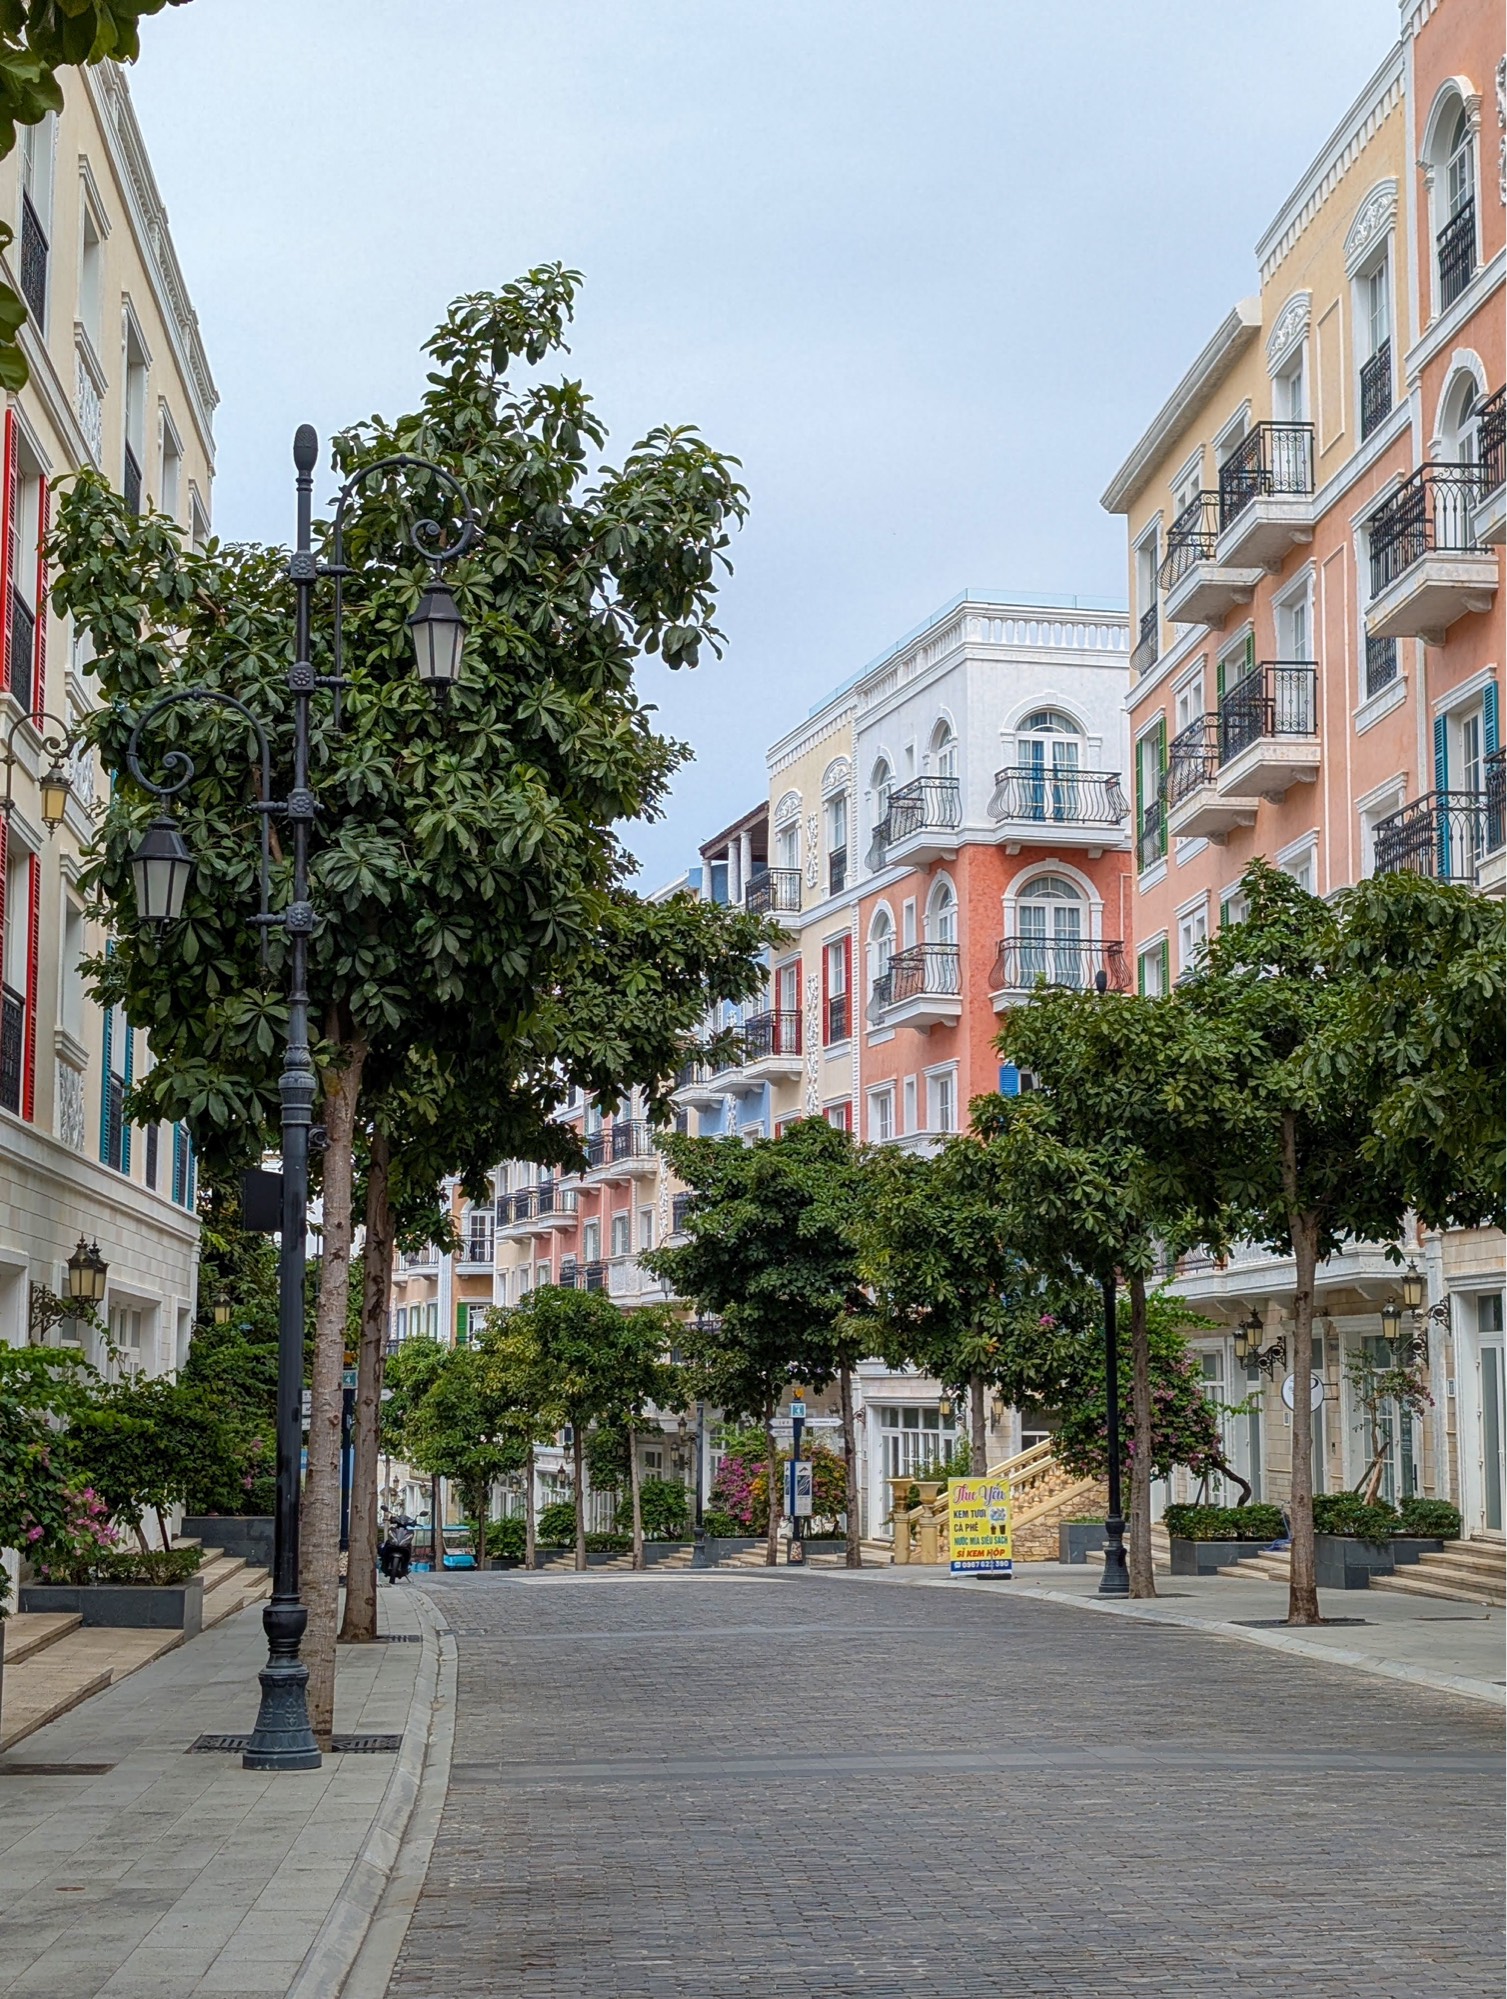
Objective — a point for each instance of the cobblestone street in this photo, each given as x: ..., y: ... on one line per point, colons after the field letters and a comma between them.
x: 695, y: 1786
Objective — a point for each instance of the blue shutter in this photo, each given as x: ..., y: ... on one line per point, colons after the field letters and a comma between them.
x: 1489, y: 725
x: 104, y: 1085
x: 125, y: 1129
x: 1441, y: 786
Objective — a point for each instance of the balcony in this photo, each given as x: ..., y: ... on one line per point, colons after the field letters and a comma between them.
x: 12, y: 1048
x: 1455, y: 248
x: 1148, y: 642
x: 1196, y: 588
x: 1024, y: 963
x: 1376, y: 389
x: 1036, y: 806
x: 1491, y: 872
x: 631, y: 1284
x: 555, y: 1207
x: 1266, y: 495
x: 626, y: 1152
x: 1428, y: 567
x: 1443, y: 835
x: 1489, y: 522
x: 1196, y: 808
x: 921, y: 987
x: 772, y: 1045
x: 1269, y: 730
x: 515, y: 1213
x: 774, y: 892
x: 696, y: 1086
x: 33, y: 271
x: 920, y: 825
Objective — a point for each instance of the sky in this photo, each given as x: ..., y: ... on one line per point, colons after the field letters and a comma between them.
x: 926, y: 267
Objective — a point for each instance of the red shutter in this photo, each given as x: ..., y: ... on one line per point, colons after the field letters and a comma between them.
x: 7, y: 542
x: 33, y: 955
x: 39, y: 668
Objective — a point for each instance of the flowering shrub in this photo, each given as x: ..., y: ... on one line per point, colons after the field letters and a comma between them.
x: 158, y: 1567
x: 741, y: 1489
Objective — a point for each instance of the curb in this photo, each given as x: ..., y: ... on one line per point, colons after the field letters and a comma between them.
x: 330, y: 1959
x: 1282, y: 1641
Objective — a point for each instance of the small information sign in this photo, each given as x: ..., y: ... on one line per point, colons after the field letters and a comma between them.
x: 799, y: 1489
x: 978, y: 1526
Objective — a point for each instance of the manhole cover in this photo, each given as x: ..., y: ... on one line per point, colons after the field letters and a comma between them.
x: 1281, y: 1623
x: 340, y: 1745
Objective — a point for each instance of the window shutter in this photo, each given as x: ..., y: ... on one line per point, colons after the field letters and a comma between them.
x: 1441, y: 753
x: 847, y: 973
x: 1161, y: 776
x: 33, y: 956
x: 125, y: 1129
x: 1490, y: 738
x: 1140, y: 794
x: 1140, y: 974
x: 104, y: 1082
x: 39, y: 658
x: 1166, y: 966
x: 7, y: 544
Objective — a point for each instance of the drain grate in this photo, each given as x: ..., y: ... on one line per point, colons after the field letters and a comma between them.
x: 9, y: 1769
x: 399, y: 1638
x: 340, y: 1745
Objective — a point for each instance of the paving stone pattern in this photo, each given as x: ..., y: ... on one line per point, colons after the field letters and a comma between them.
x: 691, y: 1787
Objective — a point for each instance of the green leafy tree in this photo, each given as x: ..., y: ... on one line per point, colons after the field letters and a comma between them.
x: 1319, y: 1028
x: 770, y: 1266
x: 1103, y: 1163
x: 143, y: 1444
x: 461, y: 1430
x: 463, y: 858
x: 43, y: 1507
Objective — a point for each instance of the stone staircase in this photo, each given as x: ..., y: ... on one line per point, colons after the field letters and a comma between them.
x: 1473, y: 1571
x: 230, y: 1583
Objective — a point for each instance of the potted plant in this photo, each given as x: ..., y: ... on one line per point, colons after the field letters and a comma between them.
x: 159, y: 1590
x: 1356, y: 1538
x: 1208, y: 1538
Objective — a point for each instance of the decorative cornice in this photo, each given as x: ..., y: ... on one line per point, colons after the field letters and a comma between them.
x: 1360, y: 124
x: 1291, y: 325
x: 1374, y: 218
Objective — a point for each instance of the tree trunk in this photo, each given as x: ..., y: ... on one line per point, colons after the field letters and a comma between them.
x: 978, y: 1446
x: 359, y: 1625
x: 167, y: 1539
x: 319, y: 1529
x: 1142, y: 1575
x: 854, y: 1556
x: 1303, y: 1224
x: 530, y: 1514
x: 481, y: 1506
x: 636, y: 1490
x: 436, y: 1522
x: 771, y: 1458
x: 578, y: 1451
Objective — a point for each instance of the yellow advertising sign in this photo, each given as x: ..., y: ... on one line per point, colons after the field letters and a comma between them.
x: 978, y: 1526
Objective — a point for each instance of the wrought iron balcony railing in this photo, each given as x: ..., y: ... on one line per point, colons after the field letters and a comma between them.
x: 1063, y: 797
x: 680, y: 1207
x: 1430, y: 511
x: 926, y: 804
x: 1494, y: 811
x: 837, y: 870
x: 697, y: 1070
x: 567, y: 1274
x: 1192, y: 759
x: 774, y: 891
x: 12, y: 1048
x: 1148, y: 640
x: 836, y: 1019
x: 630, y: 1138
x: 1491, y: 436
x: 1024, y: 962
x: 1277, y: 698
x: 592, y: 1276
x: 1151, y: 835
x: 1376, y: 389
x: 1190, y: 539
x: 1455, y: 247
x: 552, y: 1200
x: 920, y: 971
x: 520, y: 1206
x: 33, y: 272
x: 1381, y: 664
x: 775, y: 1032
x: 1442, y: 834
x: 23, y: 640
x: 1271, y: 459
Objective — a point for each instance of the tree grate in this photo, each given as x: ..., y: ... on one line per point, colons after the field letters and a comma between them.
x: 340, y: 1745
x: 1281, y: 1623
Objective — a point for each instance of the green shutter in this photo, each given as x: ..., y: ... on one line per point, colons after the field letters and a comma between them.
x: 1166, y: 967
x: 125, y: 1129
x: 1161, y: 777
x: 1140, y: 973
x: 1490, y: 738
x: 104, y: 1083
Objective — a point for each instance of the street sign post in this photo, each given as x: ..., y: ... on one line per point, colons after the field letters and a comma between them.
x: 798, y: 1482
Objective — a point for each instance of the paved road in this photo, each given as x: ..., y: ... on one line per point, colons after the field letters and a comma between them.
x: 693, y: 1787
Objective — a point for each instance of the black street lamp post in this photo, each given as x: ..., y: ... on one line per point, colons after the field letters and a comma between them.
x: 161, y: 866
x: 1116, y: 1578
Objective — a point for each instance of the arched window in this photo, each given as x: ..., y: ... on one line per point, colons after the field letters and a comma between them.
x: 1459, y: 441
x: 1451, y: 155
x: 1459, y: 165
x: 944, y: 750
x: 1050, y: 916
x: 942, y: 914
x: 881, y: 945
x: 882, y: 783
x: 1050, y: 745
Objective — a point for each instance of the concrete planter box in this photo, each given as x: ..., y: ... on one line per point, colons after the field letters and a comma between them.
x: 1342, y: 1562
x: 140, y: 1607
x: 1204, y: 1558
x: 1080, y: 1540
x: 247, y: 1536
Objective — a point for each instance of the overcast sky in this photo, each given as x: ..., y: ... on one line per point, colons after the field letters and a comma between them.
x: 926, y: 268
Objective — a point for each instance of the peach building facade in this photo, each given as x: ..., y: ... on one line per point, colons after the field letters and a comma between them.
x: 1315, y: 526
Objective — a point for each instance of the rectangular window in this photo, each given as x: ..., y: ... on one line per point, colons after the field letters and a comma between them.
x: 1189, y: 703
x: 941, y: 1101
x: 837, y: 843
x: 836, y: 968
x: 646, y: 1228
x: 1192, y: 934
x: 881, y: 1115
x: 1151, y: 811
x: 591, y: 1242
x: 620, y: 1242
x: 400, y: 1323
x: 432, y: 1319
x: 1151, y: 970
x: 840, y: 1116
x: 909, y: 1099
x: 541, y: 1274
x: 171, y: 480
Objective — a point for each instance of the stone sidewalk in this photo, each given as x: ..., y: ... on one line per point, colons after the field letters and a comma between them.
x: 182, y: 1875
x: 1455, y: 1648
